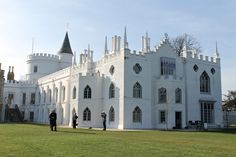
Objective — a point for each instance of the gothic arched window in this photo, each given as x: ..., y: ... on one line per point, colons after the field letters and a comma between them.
x: 137, y: 90
x: 63, y: 93
x: 87, y: 92
x: 137, y: 115
x: 56, y: 94
x: 162, y: 95
x: 111, y: 114
x: 178, y: 95
x: 111, y: 91
x: 74, y: 93
x: 50, y: 95
x: 87, y: 115
x: 204, y: 83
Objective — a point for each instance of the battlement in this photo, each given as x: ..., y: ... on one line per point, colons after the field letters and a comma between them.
x: 92, y: 75
x: 191, y: 54
x: 44, y: 56
x: 20, y: 83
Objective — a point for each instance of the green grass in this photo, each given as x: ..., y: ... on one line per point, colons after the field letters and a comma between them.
x: 29, y: 140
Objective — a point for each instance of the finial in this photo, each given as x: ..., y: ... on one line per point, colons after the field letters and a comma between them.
x: 166, y: 36
x: 217, y: 55
x: 106, y: 50
x: 125, y: 39
x: 75, y: 57
x: 33, y: 45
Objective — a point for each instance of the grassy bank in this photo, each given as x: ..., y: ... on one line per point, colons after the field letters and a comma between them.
x: 29, y: 140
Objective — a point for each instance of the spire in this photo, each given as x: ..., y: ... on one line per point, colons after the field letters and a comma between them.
x: 125, y: 40
x: 106, y: 50
x: 66, y: 46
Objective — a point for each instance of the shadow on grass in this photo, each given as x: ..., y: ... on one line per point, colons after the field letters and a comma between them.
x: 74, y: 132
x: 223, y: 131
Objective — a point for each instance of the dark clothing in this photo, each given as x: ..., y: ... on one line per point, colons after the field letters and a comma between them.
x: 104, y: 116
x: 53, y: 121
x: 74, y: 121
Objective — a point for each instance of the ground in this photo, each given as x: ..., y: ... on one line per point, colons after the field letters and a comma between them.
x: 33, y: 140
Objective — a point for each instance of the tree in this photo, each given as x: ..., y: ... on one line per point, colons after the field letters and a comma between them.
x: 230, y: 101
x: 180, y: 41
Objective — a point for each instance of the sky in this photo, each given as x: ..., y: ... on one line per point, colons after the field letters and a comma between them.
x: 88, y: 22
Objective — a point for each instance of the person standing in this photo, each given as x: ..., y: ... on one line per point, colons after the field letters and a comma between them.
x: 74, y: 120
x: 104, y: 116
x: 53, y: 120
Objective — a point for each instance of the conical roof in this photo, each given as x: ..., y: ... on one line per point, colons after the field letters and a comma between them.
x: 66, y: 46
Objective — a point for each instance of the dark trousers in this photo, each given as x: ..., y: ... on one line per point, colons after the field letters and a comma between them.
x: 104, y: 125
x: 53, y: 125
x: 74, y: 124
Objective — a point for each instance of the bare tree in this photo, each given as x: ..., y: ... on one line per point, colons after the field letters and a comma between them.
x: 180, y: 41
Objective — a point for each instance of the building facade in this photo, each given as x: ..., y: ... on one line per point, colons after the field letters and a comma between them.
x: 146, y: 89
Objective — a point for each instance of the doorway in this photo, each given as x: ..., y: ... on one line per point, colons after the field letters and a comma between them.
x: 178, y: 120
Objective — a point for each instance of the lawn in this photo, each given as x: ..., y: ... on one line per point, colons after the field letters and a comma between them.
x: 29, y: 140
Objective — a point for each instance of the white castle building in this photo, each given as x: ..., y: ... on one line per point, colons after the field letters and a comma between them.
x: 146, y: 89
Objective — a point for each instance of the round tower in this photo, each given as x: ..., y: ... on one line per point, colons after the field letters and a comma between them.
x: 65, y: 53
x: 41, y: 64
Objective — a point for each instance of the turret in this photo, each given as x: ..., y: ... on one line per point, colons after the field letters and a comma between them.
x: 65, y: 53
x: 10, y: 74
x: 145, y: 43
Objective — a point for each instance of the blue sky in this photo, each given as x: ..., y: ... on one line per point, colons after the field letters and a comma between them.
x: 91, y: 20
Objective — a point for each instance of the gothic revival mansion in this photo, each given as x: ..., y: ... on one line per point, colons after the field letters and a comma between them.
x: 146, y: 89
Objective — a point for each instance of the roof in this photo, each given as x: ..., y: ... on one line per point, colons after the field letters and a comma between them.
x: 66, y: 46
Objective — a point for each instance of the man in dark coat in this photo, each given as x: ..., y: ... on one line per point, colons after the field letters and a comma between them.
x: 104, y: 116
x: 74, y: 120
x: 53, y: 120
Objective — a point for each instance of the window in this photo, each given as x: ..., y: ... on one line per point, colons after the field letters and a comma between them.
x: 74, y: 93
x: 111, y: 114
x: 44, y: 96
x: 63, y: 93
x: 112, y: 70
x: 24, y: 98
x: 162, y: 116
x: 137, y: 90
x: 10, y: 98
x: 213, y: 71
x: 39, y: 97
x: 50, y: 95
x: 35, y: 69
x: 32, y: 100
x: 87, y: 92
x: 111, y: 91
x: 31, y: 116
x: 204, y: 83
x: 167, y: 66
x: 178, y: 95
x: 56, y: 94
x: 162, y: 95
x: 137, y: 68
x: 137, y: 115
x: 207, y: 112
x: 86, y: 115
x: 195, y: 68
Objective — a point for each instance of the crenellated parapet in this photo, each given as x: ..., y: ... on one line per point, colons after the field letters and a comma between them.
x: 43, y: 56
x: 192, y: 55
x: 14, y: 83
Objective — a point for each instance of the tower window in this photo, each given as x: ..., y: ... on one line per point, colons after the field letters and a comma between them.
x: 35, y: 69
